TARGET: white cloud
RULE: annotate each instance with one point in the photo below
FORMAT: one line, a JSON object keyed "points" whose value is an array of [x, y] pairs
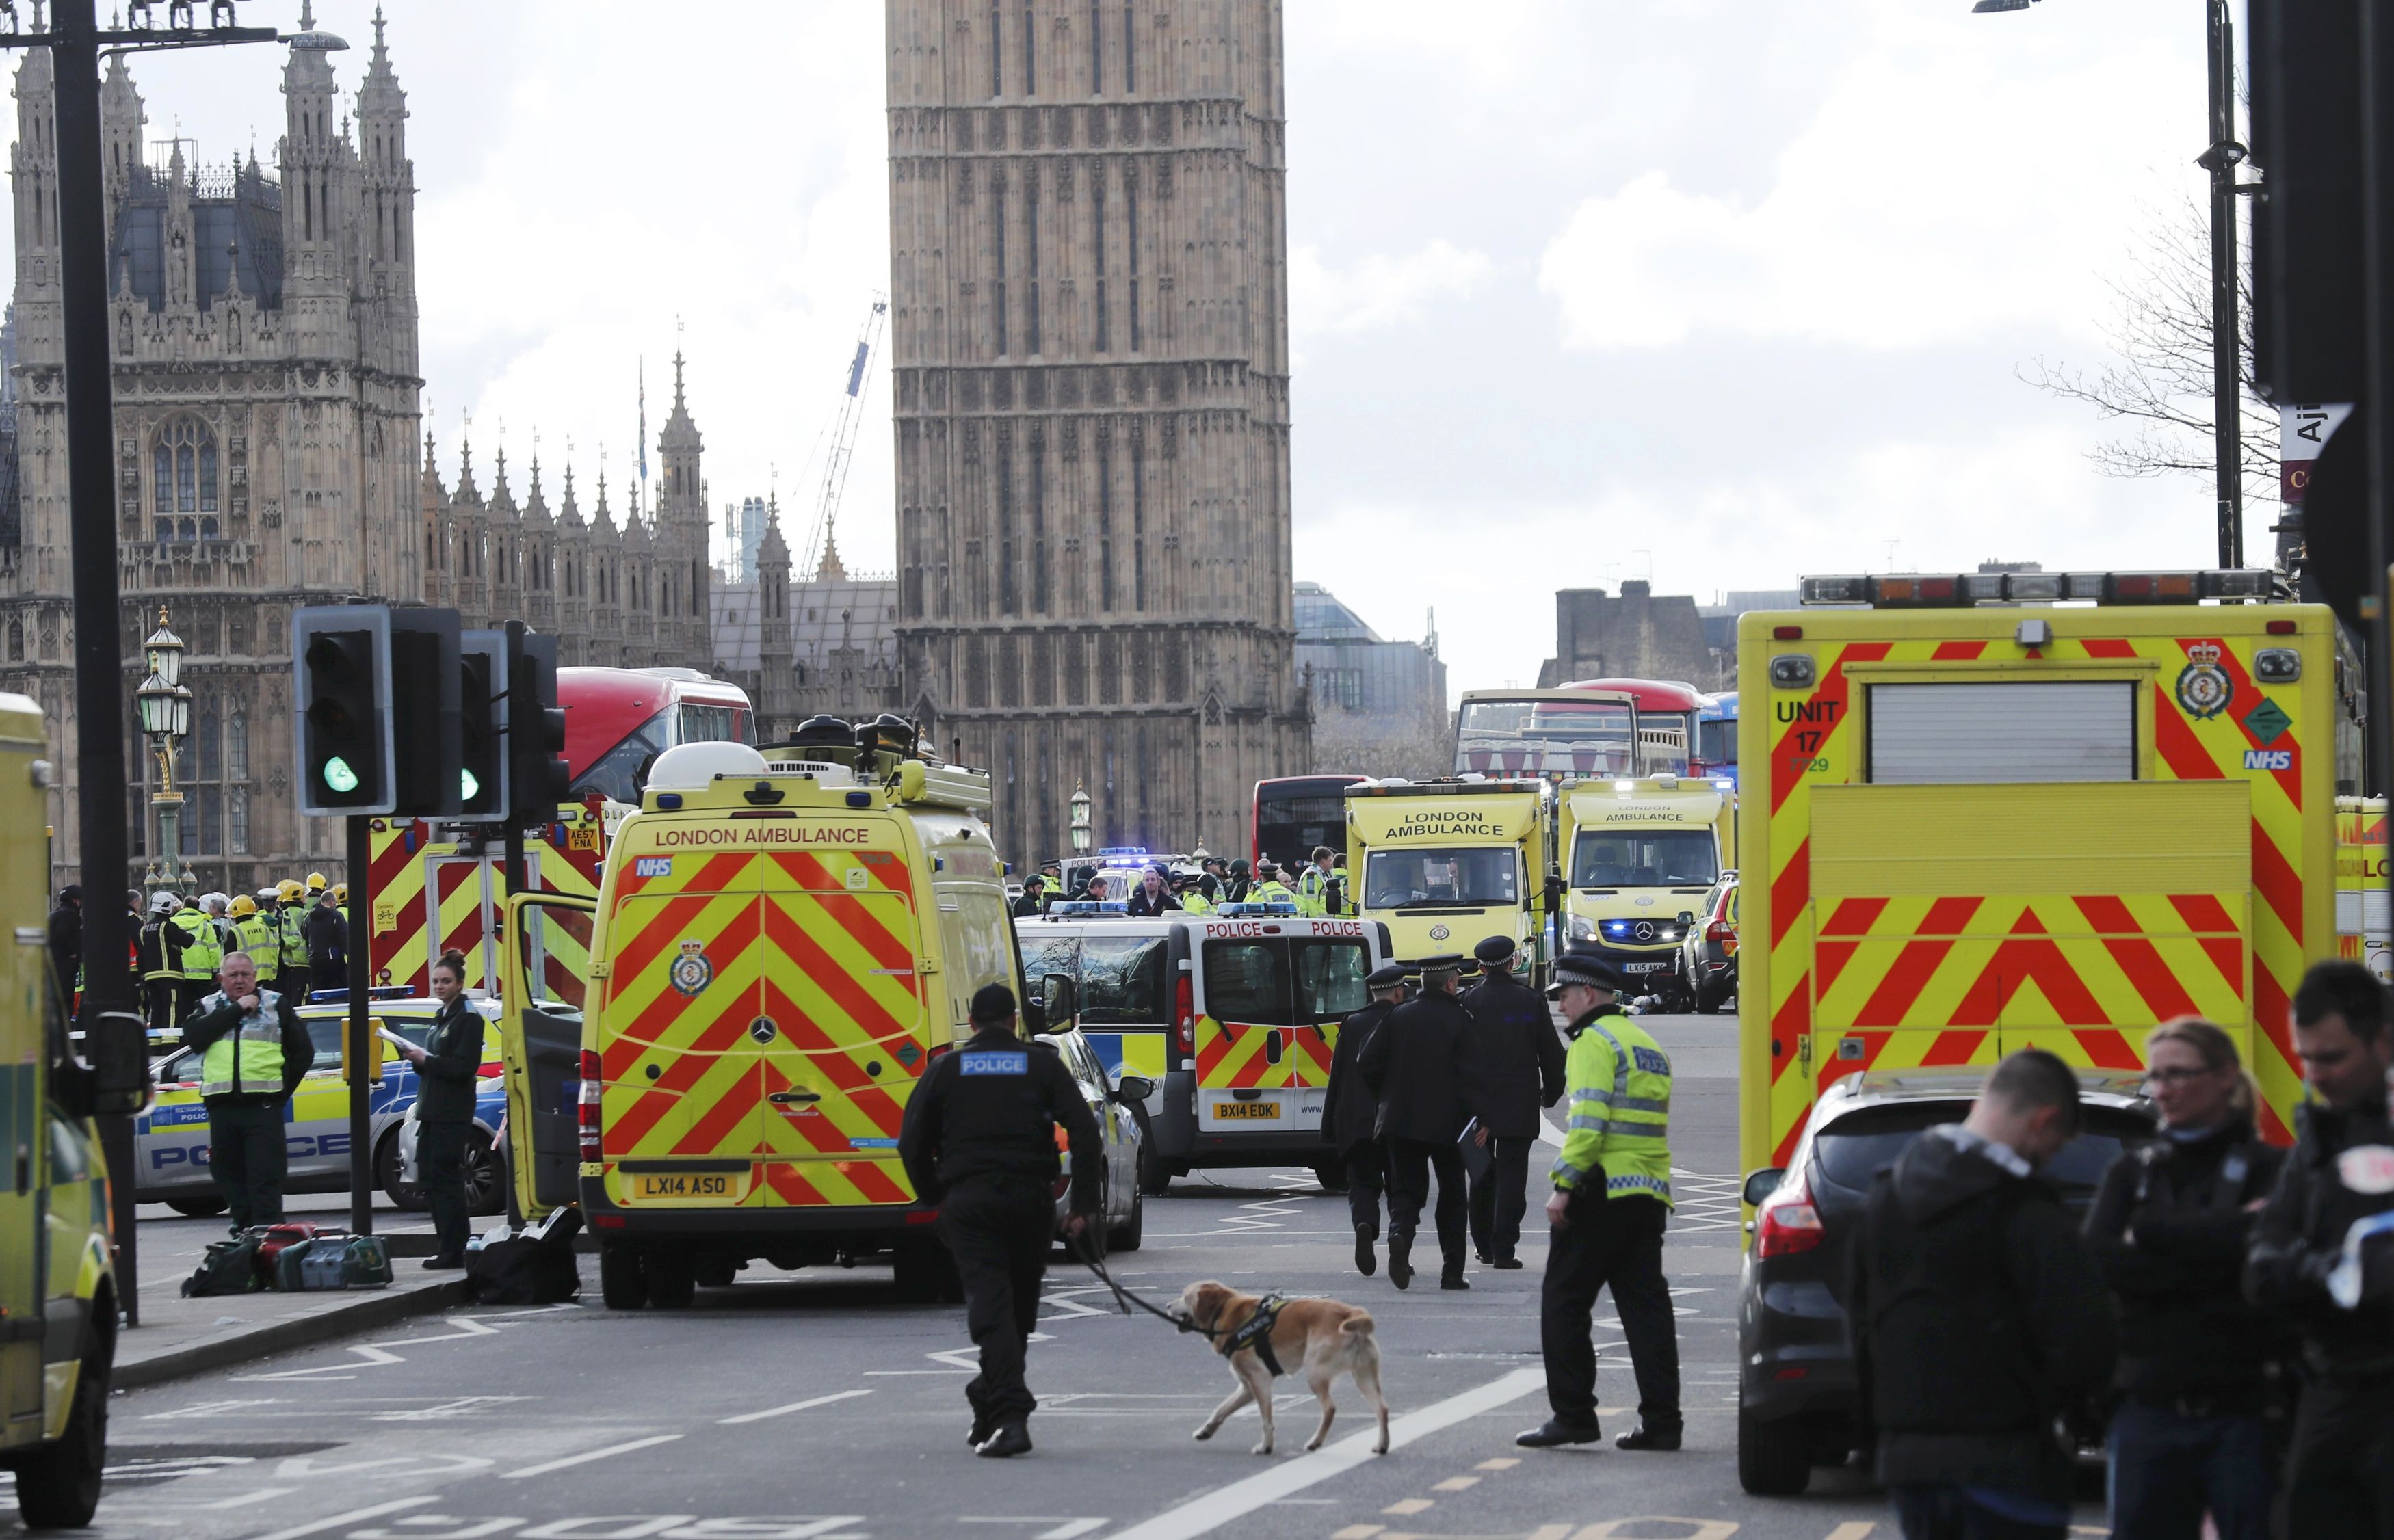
{"points": [[1943, 191], [1379, 291]]}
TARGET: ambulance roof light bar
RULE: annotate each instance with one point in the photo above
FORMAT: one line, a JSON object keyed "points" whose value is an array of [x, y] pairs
{"points": [[1956, 590]]}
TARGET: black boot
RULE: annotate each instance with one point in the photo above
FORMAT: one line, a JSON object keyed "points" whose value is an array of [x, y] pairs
{"points": [[1010, 1439], [1554, 1431], [1453, 1279], [1658, 1440], [1400, 1260], [982, 1426], [1366, 1263]]}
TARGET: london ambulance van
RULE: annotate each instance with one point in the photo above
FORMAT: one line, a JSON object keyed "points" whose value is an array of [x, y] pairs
{"points": [[780, 948], [1230, 1016], [1446, 863], [2362, 932], [1638, 855]]}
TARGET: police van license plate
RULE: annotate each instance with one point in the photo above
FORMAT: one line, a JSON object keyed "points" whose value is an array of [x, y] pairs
{"points": [[1250, 1112], [680, 1189]]}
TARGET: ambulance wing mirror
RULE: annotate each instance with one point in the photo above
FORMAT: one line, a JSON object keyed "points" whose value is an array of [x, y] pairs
{"points": [[1060, 1000], [1762, 1184]]}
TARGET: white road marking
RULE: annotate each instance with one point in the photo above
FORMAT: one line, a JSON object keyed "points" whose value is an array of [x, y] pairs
{"points": [[238, 1499], [1065, 1528], [206, 1409], [372, 1357], [793, 1406], [1206, 1514], [547, 1466], [462, 1406], [354, 1516]]}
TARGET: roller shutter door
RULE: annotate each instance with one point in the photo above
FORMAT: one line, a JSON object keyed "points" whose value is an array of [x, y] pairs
{"points": [[1949, 733]]}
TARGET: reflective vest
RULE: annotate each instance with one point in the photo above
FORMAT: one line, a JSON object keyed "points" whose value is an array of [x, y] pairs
{"points": [[1309, 890], [1618, 1095], [248, 1060], [1273, 891], [287, 923], [1195, 902], [255, 935], [197, 940]]}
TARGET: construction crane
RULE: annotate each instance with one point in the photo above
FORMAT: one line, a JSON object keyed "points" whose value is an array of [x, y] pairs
{"points": [[819, 547]]}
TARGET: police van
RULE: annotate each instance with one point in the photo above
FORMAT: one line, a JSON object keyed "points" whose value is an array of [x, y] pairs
{"points": [[1232, 1017], [783, 942]]}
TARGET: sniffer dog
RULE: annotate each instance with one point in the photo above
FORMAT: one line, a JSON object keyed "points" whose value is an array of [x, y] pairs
{"points": [[1319, 1338]]}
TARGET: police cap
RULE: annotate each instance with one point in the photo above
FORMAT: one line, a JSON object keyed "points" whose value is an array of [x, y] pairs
{"points": [[1388, 976], [1494, 952], [991, 1004], [1445, 962], [1584, 967]]}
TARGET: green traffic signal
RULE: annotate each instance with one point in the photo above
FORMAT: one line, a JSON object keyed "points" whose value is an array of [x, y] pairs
{"points": [[468, 787], [338, 776]]}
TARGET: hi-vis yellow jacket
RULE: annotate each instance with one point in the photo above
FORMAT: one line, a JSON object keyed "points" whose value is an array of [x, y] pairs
{"points": [[1618, 1096]]}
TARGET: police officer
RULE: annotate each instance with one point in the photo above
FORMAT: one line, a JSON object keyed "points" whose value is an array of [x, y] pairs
{"points": [[291, 928], [197, 955], [1612, 1199], [1034, 901], [255, 934], [450, 1066], [2340, 1471], [978, 1141], [1268, 888], [1184, 889], [254, 1051], [1415, 1064], [1310, 882], [1513, 1066], [1350, 1114], [162, 974]]}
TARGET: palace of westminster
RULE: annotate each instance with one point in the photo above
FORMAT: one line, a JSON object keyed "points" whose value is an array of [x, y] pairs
{"points": [[1089, 362]]}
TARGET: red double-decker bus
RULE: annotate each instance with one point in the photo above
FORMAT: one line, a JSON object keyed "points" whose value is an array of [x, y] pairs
{"points": [[1295, 814], [617, 721]]}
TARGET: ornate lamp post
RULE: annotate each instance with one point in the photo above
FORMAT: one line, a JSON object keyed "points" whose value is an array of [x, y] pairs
{"points": [[1081, 833], [164, 703]]}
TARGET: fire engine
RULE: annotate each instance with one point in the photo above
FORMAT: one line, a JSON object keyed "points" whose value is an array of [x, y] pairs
{"points": [[1997, 811]]}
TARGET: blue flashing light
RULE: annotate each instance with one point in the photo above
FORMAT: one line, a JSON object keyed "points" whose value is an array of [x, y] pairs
{"points": [[1087, 906], [373, 991], [669, 801], [1278, 906], [1123, 850]]}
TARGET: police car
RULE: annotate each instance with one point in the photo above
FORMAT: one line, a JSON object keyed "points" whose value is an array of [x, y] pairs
{"points": [[170, 1141], [1119, 1129], [486, 1174]]}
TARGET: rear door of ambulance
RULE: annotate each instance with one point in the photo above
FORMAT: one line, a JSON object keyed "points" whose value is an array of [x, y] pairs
{"points": [[764, 1019]]}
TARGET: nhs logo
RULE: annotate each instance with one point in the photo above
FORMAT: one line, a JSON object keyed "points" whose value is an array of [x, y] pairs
{"points": [[652, 866], [2269, 759]]}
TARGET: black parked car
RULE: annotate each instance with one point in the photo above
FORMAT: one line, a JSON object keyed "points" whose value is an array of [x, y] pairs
{"points": [[1708, 957], [1796, 1394]]}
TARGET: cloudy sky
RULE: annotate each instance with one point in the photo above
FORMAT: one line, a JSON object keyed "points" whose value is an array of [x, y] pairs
{"points": [[1707, 291]]}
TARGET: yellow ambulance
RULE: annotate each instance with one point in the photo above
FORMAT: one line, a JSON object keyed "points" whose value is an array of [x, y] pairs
{"points": [[1445, 863], [1987, 811], [57, 1282], [2362, 904], [1638, 855], [780, 948]]}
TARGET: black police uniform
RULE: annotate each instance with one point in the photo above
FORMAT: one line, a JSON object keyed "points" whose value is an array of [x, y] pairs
{"points": [[1415, 1063], [1513, 1065], [978, 1141], [2339, 1478], [451, 1076], [1350, 1115]]}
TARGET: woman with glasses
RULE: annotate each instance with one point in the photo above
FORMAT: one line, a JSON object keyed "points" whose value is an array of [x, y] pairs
{"points": [[2169, 1228]]}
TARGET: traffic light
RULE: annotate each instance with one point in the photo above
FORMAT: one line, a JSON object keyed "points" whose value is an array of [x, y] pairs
{"points": [[537, 776], [482, 705], [424, 712], [340, 659], [2309, 299]]}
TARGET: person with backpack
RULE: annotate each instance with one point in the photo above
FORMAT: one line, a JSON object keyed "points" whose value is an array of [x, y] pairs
{"points": [[1978, 1318], [2169, 1228], [253, 1050]]}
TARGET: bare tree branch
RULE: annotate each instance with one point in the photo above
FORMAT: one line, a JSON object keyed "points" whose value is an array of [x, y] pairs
{"points": [[2158, 386]]}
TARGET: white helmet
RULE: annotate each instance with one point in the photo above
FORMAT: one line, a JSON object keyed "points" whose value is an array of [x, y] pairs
{"points": [[215, 904], [165, 904]]}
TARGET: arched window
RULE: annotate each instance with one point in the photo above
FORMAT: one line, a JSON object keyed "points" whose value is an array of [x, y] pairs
{"points": [[236, 745], [183, 469], [16, 641]]}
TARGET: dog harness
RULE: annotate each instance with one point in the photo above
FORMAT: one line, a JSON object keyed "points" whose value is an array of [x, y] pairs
{"points": [[1256, 1332]]}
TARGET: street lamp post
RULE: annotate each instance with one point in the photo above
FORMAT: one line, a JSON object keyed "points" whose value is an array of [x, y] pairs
{"points": [[1082, 833], [164, 703]]}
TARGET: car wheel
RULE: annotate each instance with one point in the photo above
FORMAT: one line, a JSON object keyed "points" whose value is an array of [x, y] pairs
{"points": [[486, 1177], [1154, 1177], [58, 1484], [402, 1194], [672, 1283], [196, 1208], [1126, 1235], [622, 1279], [1709, 998], [1774, 1460]]}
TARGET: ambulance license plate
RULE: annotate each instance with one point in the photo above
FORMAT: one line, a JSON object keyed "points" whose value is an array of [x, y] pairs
{"points": [[582, 837], [671, 1188], [1646, 967], [1259, 1111]]}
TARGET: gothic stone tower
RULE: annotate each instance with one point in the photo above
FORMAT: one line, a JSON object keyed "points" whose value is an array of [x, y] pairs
{"points": [[264, 333], [1088, 313]]}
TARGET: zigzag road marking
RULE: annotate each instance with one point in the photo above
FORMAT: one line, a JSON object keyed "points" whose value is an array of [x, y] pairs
{"points": [[370, 1356]]}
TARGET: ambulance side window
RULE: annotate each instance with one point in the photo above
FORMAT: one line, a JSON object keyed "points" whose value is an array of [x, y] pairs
{"points": [[1247, 981]]}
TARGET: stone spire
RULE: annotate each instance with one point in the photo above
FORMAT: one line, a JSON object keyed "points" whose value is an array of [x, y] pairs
{"points": [[467, 490]]}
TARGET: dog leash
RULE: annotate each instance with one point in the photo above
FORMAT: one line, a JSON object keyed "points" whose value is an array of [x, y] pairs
{"points": [[1092, 1259]]}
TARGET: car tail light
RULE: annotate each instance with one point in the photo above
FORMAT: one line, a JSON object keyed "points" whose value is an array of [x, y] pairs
{"points": [[1720, 930], [1787, 1223], [1184, 1016], [586, 1110]]}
